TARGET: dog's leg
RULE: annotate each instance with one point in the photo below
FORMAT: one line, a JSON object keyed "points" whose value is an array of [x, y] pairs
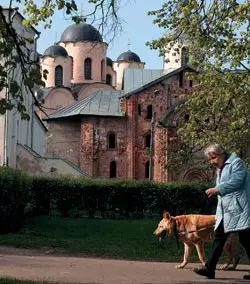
{"points": [[187, 252], [200, 251], [231, 248]]}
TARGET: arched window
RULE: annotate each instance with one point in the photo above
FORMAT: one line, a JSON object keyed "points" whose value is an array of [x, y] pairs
{"points": [[103, 70], [112, 172], [149, 111], [87, 69], [58, 76], [108, 79], [184, 56], [147, 140], [139, 109], [111, 140], [147, 169]]}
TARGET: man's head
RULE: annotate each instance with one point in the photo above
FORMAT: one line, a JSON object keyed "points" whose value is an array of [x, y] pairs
{"points": [[215, 155]]}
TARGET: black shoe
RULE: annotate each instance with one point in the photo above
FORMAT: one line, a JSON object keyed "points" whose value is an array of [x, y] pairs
{"points": [[247, 276], [205, 272]]}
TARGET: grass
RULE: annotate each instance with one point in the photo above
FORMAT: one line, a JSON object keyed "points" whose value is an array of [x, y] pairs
{"points": [[117, 239]]}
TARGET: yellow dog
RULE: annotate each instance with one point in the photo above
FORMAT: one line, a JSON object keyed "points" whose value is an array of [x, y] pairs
{"points": [[194, 230]]}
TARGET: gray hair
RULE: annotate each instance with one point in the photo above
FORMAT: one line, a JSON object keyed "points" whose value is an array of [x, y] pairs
{"points": [[216, 149]]}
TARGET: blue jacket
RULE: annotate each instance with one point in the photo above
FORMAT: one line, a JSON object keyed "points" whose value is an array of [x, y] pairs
{"points": [[233, 184]]}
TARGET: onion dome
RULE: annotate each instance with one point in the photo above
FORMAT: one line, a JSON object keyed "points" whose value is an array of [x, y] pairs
{"points": [[109, 61], [129, 56], [81, 32], [55, 50]]}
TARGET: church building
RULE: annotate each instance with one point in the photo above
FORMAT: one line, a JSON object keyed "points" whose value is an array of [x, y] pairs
{"points": [[107, 116]]}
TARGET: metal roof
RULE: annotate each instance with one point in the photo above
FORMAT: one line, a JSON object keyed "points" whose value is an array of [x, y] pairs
{"points": [[100, 103], [136, 78], [166, 74]]}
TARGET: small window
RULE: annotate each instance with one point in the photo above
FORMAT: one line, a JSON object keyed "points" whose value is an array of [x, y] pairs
{"points": [[112, 172], [103, 70], [147, 169], [149, 111], [148, 141], [58, 76], [186, 117], [184, 56], [87, 69], [108, 79], [181, 79], [111, 141], [190, 83], [139, 109]]}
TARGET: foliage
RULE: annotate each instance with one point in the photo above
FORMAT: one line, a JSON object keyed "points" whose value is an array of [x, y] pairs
{"points": [[19, 68], [219, 38], [116, 199], [15, 189]]}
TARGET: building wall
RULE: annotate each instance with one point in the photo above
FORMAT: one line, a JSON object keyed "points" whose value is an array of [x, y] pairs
{"points": [[57, 98], [161, 96], [95, 154], [13, 129], [50, 63], [90, 89], [82, 50], [43, 166], [63, 140], [119, 67]]}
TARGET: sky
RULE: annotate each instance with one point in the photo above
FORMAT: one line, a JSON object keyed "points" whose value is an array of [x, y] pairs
{"points": [[137, 30]]}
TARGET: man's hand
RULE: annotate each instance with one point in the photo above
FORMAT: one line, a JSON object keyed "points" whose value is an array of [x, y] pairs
{"points": [[211, 191]]}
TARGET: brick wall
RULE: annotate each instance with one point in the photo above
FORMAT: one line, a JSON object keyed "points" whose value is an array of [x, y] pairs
{"points": [[63, 140]]}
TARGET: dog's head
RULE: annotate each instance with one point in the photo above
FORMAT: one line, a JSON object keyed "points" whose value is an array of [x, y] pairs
{"points": [[165, 227]]}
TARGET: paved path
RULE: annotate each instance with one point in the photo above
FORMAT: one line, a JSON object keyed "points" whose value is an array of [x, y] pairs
{"points": [[96, 271]]}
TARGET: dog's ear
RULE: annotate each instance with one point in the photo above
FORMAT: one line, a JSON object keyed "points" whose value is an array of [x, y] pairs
{"points": [[166, 215]]}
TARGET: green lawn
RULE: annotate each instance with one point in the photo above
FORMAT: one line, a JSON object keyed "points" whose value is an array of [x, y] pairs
{"points": [[118, 239]]}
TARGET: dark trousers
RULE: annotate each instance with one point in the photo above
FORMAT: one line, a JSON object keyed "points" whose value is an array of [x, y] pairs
{"points": [[220, 238]]}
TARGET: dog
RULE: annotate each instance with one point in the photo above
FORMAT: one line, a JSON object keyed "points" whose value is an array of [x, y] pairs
{"points": [[194, 230]]}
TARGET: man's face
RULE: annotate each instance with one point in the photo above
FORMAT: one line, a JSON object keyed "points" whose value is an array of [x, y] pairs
{"points": [[215, 159]]}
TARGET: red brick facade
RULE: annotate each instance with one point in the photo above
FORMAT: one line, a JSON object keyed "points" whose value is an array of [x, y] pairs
{"points": [[85, 141]]}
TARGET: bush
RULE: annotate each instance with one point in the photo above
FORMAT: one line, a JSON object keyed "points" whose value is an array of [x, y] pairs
{"points": [[15, 195]]}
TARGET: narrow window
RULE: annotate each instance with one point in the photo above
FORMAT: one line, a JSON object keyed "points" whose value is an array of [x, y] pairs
{"points": [[139, 109], [190, 83], [103, 70], [147, 141], [87, 69], [149, 111], [108, 79], [111, 141], [112, 172], [184, 56], [58, 76], [181, 79], [147, 169]]}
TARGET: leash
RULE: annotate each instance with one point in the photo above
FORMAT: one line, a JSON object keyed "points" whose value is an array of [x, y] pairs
{"points": [[177, 234], [189, 232]]}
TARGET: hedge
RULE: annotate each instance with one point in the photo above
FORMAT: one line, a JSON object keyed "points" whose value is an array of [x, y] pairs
{"points": [[22, 195]]}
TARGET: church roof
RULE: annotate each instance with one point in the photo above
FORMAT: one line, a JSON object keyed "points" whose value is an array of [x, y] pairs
{"points": [[100, 103], [135, 78], [109, 61], [144, 84], [55, 50], [81, 32], [129, 56]]}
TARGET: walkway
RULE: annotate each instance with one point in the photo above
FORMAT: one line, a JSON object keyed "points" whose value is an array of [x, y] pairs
{"points": [[95, 271]]}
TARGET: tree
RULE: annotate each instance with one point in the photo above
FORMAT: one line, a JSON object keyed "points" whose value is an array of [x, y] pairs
{"points": [[219, 37], [15, 48]]}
